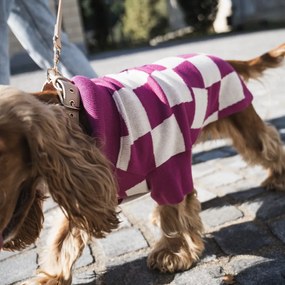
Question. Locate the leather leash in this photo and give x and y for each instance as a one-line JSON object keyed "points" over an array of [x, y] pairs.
{"points": [[67, 92]]}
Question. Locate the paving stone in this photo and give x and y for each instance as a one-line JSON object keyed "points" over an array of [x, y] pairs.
{"points": [[7, 254], [239, 189], [50, 219], [246, 191], [233, 163], [204, 195], [49, 204], [85, 259], [211, 250], [242, 238], [84, 278], [214, 154], [268, 206], [278, 123], [278, 228], [25, 263], [139, 212], [135, 272], [259, 271], [242, 262], [124, 222], [252, 171], [219, 179], [122, 242], [203, 169], [210, 275], [213, 217]]}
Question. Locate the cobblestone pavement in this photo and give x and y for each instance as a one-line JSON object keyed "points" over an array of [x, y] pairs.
{"points": [[244, 224]]}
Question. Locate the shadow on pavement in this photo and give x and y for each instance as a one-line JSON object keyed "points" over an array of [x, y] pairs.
{"points": [[257, 244], [131, 273]]}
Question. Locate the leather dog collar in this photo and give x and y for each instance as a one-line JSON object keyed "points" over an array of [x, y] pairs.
{"points": [[68, 93]]}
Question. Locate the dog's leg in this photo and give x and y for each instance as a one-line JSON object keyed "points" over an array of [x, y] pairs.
{"points": [[64, 248], [181, 243], [258, 143]]}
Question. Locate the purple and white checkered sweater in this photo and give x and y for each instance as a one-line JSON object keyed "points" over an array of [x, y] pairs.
{"points": [[149, 117]]}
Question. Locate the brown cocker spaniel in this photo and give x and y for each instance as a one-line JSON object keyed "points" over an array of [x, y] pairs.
{"points": [[88, 169]]}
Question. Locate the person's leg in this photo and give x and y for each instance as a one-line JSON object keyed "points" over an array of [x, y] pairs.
{"points": [[5, 7], [33, 24]]}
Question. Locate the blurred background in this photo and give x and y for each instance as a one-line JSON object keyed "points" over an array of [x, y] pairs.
{"points": [[102, 25]]}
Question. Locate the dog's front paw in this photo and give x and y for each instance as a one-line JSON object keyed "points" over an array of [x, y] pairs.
{"points": [[172, 254], [167, 261]]}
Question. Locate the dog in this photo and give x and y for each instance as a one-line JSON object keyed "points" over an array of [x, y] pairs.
{"points": [[119, 143]]}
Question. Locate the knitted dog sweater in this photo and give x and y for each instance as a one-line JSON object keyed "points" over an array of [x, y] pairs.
{"points": [[148, 119]]}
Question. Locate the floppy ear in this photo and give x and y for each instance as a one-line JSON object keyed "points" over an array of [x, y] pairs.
{"points": [[79, 177], [33, 221], [48, 95]]}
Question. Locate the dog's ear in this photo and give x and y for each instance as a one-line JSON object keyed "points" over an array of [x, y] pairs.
{"points": [[79, 177], [32, 220], [48, 94]]}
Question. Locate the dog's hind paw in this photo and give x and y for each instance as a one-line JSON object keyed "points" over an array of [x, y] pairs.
{"points": [[274, 182]]}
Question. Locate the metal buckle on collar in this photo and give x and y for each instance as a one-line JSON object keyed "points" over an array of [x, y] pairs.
{"points": [[67, 92]]}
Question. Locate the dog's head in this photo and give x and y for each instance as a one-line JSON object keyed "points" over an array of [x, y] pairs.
{"points": [[38, 140]]}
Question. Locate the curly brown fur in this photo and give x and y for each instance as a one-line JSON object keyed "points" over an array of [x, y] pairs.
{"points": [[32, 224], [20, 201], [38, 140], [254, 68], [259, 145], [181, 243], [64, 156], [64, 248]]}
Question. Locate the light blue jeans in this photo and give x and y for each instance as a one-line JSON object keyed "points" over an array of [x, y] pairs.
{"points": [[32, 23]]}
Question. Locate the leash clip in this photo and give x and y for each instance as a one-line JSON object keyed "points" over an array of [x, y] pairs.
{"points": [[67, 92]]}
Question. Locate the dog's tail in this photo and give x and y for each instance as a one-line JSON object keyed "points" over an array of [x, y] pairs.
{"points": [[254, 68]]}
